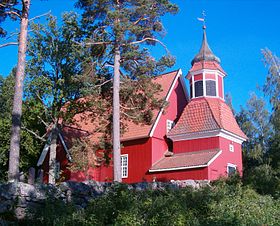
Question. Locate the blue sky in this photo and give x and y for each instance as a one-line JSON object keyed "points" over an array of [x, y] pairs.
{"points": [[237, 30]]}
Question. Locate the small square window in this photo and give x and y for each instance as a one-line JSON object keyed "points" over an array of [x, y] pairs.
{"points": [[231, 148], [169, 125], [231, 169]]}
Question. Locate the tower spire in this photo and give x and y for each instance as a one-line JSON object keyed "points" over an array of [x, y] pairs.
{"points": [[205, 53]]}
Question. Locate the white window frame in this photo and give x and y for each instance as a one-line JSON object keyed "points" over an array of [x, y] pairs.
{"points": [[169, 125], [231, 148], [232, 166], [124, 167]]}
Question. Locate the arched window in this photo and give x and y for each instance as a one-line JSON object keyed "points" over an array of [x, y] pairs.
{"points": [[198, 87], [210, 88]]}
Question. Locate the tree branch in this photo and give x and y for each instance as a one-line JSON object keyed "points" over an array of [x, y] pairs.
{"points": [[150, 39], [140, 19], [129, 108], [8, 44], [39, 16], [98, 43], [35, 134], [13, 13], [130, 116]]}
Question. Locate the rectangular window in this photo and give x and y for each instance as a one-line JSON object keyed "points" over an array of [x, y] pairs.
{"points": [[124, 165], [231, 148], [169, 125], [231, 169], [210, 88], [198, 88]]}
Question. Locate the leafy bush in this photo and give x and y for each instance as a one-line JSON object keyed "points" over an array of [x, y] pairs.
{"points": [[226, 202]]}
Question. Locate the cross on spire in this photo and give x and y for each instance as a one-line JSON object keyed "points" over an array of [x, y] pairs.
{"points": [[202, 19]]}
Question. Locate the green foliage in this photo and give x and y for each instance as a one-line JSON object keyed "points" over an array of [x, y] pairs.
{"points": [[130, 27], [56, 66], [226, 202], [6, 7], [30, 146], [261, 152]]}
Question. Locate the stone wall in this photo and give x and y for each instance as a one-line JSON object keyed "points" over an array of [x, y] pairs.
{"points": [[19, 197]]}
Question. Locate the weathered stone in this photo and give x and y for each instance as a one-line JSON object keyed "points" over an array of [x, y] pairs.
{"points": [[26, 189], [20, 212], [20, 196], [21, 177]]}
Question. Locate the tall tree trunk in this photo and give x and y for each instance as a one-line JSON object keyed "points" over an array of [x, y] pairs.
{"points": [[116, 118], [52, 159], [17, 102]]}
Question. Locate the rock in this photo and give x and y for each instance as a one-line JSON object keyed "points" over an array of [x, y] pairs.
{"points": [[26, 190]]}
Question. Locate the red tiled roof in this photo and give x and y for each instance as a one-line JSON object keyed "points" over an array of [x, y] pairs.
{"points": [[212, 65], [185, 160], [133, 130], [206, 114], [142, 130]]}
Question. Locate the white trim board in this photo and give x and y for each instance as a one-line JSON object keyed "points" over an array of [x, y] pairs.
{"points": [[179, 73], [207, 134], [201, 71]]}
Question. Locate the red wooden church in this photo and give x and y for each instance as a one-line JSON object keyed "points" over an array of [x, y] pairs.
{"points": [[194, 138]]}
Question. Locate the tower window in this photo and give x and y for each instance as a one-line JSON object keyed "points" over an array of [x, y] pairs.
{"points": [[210, 88], [198, 86]]}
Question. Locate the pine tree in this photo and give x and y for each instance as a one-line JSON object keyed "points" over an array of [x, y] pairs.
{"points": [[9, 8], [124, 28]]}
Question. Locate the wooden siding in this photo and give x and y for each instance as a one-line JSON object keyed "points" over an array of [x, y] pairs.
{"points": [[195, 145]]}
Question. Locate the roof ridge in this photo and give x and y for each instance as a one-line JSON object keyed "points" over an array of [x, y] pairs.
{"points": [[160, 75]]}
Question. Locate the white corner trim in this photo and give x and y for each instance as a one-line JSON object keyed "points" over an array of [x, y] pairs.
{"points": [[206, 134], [217, 84], [166, 99], [231, 136]]}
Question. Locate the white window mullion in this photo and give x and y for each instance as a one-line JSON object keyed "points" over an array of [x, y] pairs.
{"points": [[217, 84], [193, 90], [204, 85]]}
